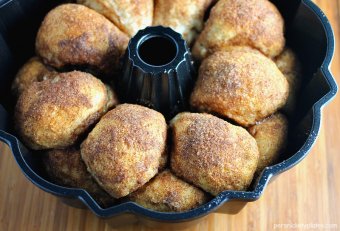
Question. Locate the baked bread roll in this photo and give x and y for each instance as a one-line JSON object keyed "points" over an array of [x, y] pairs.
{"points": [[32, 71], [129, 16], [54, 113], [254, 23], [124, 150], [167, 193], [74, 35], [212, 153], [241, 85], [183, 16], [271, 137], [65, 167]]}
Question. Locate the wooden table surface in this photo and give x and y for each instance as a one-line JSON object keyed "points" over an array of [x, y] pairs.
{"points": [[307, 194]]}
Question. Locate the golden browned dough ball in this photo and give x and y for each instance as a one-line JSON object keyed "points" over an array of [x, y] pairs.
{"points": [[271, 136], [125, 148], [168, 193], [212, 153], [241, 85], [290, 66], [32, 71], [54, 113], [73, 34], [129, 16], [183, 16], [65, 167], [254, 23]]}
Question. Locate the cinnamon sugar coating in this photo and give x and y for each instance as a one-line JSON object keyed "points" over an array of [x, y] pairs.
{"points": [[65, 167], [254, 23], [74, 35], [168, 193], [32, 71], [124, 150], [271, 137], [54, 113], [183, 16], [129, 16], [212, 153], [242, 85]]}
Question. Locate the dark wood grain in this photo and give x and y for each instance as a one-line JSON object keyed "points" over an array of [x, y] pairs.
{"points": [[308, 193]]}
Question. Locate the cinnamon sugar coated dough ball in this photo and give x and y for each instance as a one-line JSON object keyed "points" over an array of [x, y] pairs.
{"points": [[290, 66], [271, 136], [73, 34], [129, 16], [32, 71], [65, 167], [183, 16], [54, 113], [124, 150], [168, 193], [240, 85], [254, 23], [212, 153]]}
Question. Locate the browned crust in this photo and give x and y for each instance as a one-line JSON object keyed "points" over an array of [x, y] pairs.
{"points": [[65, 167], [271, 137], [128, 15], [124, 150], [32, 71], [168, 193], [73, 34], [211, 153], [55, 112], [183, 16], [242, 85], [254, 23]]}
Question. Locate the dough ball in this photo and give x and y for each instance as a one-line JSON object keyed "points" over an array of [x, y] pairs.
{"points": [[241, 85], [124, 150], [56, 112], [271, 137], [254, 23], [32, 71], [183, 16], [168, 193], [129, 16], [65, 167], [74, 35], [212, 153]]}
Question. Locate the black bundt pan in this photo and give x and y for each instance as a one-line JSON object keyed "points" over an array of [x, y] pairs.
{"points": [[308, 32]]}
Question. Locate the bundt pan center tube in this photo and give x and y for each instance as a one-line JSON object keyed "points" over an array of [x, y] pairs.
{"points": [[158, 71], [163, 73]]}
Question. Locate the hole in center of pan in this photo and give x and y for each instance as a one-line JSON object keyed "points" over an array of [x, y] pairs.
{"points": [[157, 50]]}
